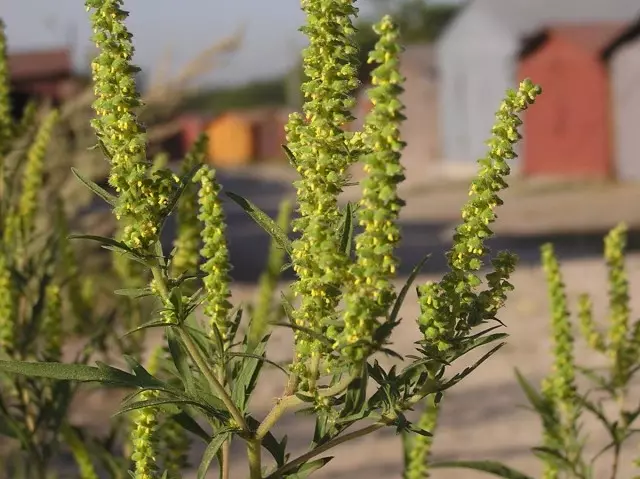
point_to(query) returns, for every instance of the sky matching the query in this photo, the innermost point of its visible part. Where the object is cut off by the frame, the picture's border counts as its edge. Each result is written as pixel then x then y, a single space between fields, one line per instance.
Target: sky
pixel 182 28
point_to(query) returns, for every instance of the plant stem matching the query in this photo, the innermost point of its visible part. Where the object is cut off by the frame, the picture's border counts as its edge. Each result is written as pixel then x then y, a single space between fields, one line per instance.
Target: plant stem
pixel 226 459
pixel 217 387
pixel 325 447
pixel 276 413
pixel 254 453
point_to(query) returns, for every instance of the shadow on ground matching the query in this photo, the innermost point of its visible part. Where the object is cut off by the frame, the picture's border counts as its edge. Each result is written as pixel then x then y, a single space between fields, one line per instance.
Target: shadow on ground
pixel 249 244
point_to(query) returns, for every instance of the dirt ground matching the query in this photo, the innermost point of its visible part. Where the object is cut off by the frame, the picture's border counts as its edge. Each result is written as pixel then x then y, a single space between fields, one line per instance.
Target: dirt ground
pixel 482 418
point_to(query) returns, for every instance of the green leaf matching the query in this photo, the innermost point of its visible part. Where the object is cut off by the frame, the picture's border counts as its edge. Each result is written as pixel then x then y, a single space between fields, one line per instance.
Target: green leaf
pixel 239 354
pixel 180 359
pixel 105 241
pixel 460 376
pixel 155 323
pixel 99 191
pixel 405 289
pixel 134 293
pixel 290 155
pixel 189 424
pixel 535 399
pixel 210 452
pixel 309 468
pixel 158 402
pixel 264 221
pixel 491 467
pixel 346 230
pixel 247 376
pixel 73 372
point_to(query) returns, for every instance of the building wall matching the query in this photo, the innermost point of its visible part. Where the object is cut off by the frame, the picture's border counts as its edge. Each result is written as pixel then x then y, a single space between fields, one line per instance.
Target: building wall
pixel 476 66
pixel 625 83
pixel 568 132
pixel 231 141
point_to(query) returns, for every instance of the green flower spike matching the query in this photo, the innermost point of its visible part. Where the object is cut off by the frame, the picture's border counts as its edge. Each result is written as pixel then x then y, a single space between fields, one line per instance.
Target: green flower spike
pixel 6 121
pixel 7 307
pixel 450 308
pixel 419 447
pixel 372 292
pixel 187 242
pixel 143 194
pixel 214 251
pixel 595 339
pixel 319 144
pixel 143 440
pixel 618 335
pixel 52 323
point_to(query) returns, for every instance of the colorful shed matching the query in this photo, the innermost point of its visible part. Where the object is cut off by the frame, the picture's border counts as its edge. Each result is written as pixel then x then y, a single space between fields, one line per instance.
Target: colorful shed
pixel 238 138
pixel 569 132
pixel 623 58
pixel 477 62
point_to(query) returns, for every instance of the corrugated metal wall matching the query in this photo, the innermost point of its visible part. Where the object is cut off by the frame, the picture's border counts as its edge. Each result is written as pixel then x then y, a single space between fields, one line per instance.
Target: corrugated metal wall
pixel 568 132
pixel 625 79
pixel 475 61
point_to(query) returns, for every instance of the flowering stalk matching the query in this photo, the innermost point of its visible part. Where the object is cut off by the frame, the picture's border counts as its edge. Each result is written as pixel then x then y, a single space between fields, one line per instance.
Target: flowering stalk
pixel 323 157
pixel 52 323
pixel 6 121
pixel 450 308
pixel 187 241
pixel 372 292
pixel 215 253
pixel 7 307
pixel 418 447
pixel 143 196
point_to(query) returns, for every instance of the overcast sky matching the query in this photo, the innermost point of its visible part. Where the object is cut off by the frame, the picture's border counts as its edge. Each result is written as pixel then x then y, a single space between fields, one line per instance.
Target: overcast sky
pixel 271 41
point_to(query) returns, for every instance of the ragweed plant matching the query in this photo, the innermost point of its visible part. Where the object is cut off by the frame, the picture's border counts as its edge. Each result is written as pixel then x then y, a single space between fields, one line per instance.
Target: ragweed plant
pixel 343 307
pixel 561 405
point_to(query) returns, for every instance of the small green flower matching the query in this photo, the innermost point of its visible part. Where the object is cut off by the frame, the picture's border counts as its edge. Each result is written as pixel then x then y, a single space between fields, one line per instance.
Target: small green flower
pixel 187 242
pixel 595 339
pixel 320 146
pixel 143 193
pixel 451 307
pixel 619 311
pixel 418 447
pixel 372 293
pixel 33 175
pixel 214 251
pixel 143 440
pixel 7 306
pixel 52 323
pixel 562 378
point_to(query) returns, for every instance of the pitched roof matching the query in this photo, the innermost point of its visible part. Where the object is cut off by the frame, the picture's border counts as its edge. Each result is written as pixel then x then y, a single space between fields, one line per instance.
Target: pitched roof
pixel 526 16
pixel 593 37
pixel 37 64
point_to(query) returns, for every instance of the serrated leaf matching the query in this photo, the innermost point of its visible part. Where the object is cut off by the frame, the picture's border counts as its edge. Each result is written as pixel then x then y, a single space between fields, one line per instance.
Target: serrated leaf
pixel 535 399
pixel 238 354
pixel 264 221
pixel 99 191
pixel 180 359
pixel 158 402
pixel 105 241
pixel 460 376
pixel 210 452
pixel 407 286
pixel 73 372
pixel 156 323
pixel 490 467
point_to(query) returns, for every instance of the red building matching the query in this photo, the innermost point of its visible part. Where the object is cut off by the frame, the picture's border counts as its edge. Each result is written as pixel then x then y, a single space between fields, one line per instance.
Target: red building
pixel 568 132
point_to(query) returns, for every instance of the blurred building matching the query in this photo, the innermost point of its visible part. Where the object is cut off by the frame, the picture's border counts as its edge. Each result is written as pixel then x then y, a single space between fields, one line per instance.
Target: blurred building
pixel 623 59
pixel 420 129
pixel 42 75
pixel 477 61
pixel 241 137
pixel 568 132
